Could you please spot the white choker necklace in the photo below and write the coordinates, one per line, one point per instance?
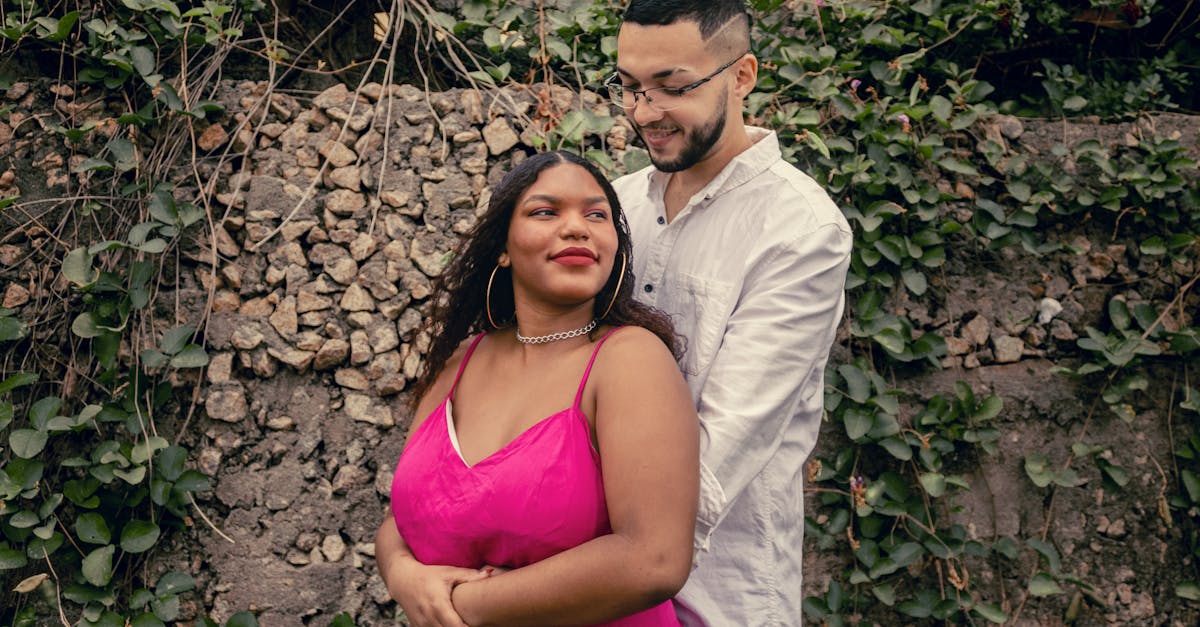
(554, 337)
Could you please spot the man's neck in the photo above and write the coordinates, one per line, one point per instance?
(684, 184)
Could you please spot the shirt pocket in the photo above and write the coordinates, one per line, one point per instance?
(700, 309)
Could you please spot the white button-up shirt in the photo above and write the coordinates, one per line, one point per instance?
(752, 271)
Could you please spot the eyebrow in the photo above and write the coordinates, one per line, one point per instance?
(658, 74)
(556, 199)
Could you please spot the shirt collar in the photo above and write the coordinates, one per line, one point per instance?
(762, 154)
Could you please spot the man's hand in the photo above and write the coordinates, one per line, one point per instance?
(423, 592)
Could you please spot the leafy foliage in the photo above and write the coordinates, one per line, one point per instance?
(889, 107)
(89, 485)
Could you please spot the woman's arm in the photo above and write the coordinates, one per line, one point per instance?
(648, 437)
(422, 591)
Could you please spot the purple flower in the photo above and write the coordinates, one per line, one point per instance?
(903, 119)
(855, 83)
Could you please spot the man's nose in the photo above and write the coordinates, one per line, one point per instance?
(642, 112)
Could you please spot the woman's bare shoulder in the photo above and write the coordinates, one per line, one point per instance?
(634, 346)
(445, 379)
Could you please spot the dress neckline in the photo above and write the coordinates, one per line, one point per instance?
(452, 432)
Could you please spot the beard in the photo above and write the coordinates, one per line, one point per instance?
(698, 142)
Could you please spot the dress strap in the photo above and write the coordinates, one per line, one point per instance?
(463, 366)
(587, 371)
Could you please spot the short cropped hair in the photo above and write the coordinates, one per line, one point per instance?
(712, 16)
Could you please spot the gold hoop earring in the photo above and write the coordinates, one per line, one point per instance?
(617, 290)
(487, 298)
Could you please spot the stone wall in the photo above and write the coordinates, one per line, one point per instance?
(333, 214)
(336, 223)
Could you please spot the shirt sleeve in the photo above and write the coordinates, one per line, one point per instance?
(770, 365)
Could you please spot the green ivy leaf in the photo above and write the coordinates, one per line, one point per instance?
(85, 326)
(1117, 474)
(941, 108)
(1046, 550)
(174, 583)
(43, 410)
(921, 605)
(858, 386)
(242, 619)
(143, 60)
(49, 505)
(166, 608)
(193, 356)
(858, 423)
(890, 340)
(1074, 103)
(1005, 546)
(991, 613)
(934, 483)
(77, 267)
(885, 593)
(92, 528)
(163, 207)
(1153, 246)
(175, 339)
(97, 566)
(152, 359)
(906, 553)
(1191, 483)
(145, 449)
(27, 443)
(24, 519)
(82, 492)
(123, 151)
(1118, 313)
(147, 620)
(914, 280)
(15, 381)
(1189, 590)
(1037, 468)
(343, 619)
(12, 559)
(11, 329)
(958, 165)
(139, 536)
(133, 476)
(192, 481)
(814, 607)
(897, 448)
(171, 462)
(1020, 190)
(988, 409)
(1043, 585)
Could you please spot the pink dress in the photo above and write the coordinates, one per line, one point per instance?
(538, 495)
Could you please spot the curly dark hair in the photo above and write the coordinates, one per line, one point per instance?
(459, 305)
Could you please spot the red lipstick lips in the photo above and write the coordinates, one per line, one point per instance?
(575, 256)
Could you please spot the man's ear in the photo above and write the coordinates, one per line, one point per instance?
(745, 75)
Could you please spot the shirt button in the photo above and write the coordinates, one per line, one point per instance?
(662, 220)
(648, 288)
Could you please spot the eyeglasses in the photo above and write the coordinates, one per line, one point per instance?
(659, 99)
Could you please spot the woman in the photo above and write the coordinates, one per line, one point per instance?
(507, 508)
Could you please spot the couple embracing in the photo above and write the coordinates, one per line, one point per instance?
(625, 379)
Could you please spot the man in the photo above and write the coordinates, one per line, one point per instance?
(749, 257)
